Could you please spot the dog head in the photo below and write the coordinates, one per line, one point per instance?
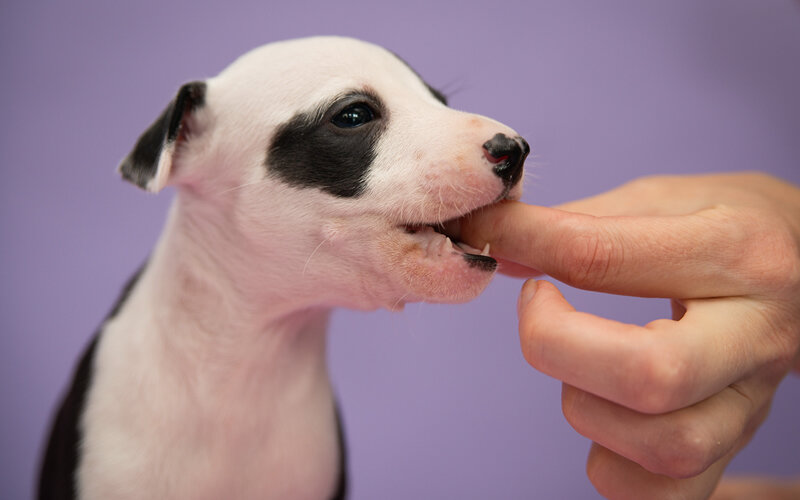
(328, 168)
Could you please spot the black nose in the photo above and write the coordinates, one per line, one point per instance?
(508, 156)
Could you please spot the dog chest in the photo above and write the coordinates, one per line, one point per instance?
(157, 427)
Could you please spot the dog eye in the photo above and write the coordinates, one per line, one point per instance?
(353, 116)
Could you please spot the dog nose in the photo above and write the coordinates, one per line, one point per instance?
(508, 156)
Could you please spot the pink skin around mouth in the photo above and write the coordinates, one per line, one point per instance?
(437, 270)
(435, 244)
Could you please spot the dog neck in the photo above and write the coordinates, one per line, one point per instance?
(231, 374)
(218, 315)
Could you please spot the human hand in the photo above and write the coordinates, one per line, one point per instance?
(750, 488)
(668, 404)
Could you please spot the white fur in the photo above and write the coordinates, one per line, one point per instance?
(211, 381)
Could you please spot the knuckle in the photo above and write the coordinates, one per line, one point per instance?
(780, 348)
(610, 475)
(760, 249)
(772, 259)
(600, 475)
(780, 264)
(684, 450)
(660, 381)
(571, 407)
(587, 257)
(615, 477)
(596, 476)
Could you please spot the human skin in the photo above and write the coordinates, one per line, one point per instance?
(667, 405)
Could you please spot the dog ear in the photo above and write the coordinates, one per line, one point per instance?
(148, 165)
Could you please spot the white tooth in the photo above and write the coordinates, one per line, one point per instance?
(485, 251)
(446, 245)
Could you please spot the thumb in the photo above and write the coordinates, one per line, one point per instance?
(540, 304)
(538, 297)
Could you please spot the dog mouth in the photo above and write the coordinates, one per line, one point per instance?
(439, 239)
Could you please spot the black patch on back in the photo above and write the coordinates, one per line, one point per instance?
(60, 463)
(340, 493)
(141, 163)
(310, 151)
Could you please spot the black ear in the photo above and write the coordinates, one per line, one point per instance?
(149, 164)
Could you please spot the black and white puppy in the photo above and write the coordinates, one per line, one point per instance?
(310, 174)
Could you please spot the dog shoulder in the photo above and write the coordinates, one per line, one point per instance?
(62, 451)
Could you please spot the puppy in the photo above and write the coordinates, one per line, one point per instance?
(310, 174)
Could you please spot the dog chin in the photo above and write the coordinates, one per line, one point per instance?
(433, 265)
(433, 268)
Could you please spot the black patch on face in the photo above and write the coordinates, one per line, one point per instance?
(481, 262)
(61, 457)
(331, 148)
(142, 162)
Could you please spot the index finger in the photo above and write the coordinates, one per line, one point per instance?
(684, 256)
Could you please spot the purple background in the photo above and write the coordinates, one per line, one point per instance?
(438, 401)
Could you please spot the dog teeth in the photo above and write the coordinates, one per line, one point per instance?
(447, 244)
(440, 244)
(470, 250)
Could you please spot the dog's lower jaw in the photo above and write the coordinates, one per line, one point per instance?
(432, 268)
(391, 264)
(454, 277)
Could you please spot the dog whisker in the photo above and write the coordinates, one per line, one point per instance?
(308, 260)
(454, 87)
(240, 186)
(399, 301)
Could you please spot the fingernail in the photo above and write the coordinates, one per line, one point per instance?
(526, 295)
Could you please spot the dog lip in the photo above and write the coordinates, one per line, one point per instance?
(482, 262)
(450, 227)
(474, 257)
